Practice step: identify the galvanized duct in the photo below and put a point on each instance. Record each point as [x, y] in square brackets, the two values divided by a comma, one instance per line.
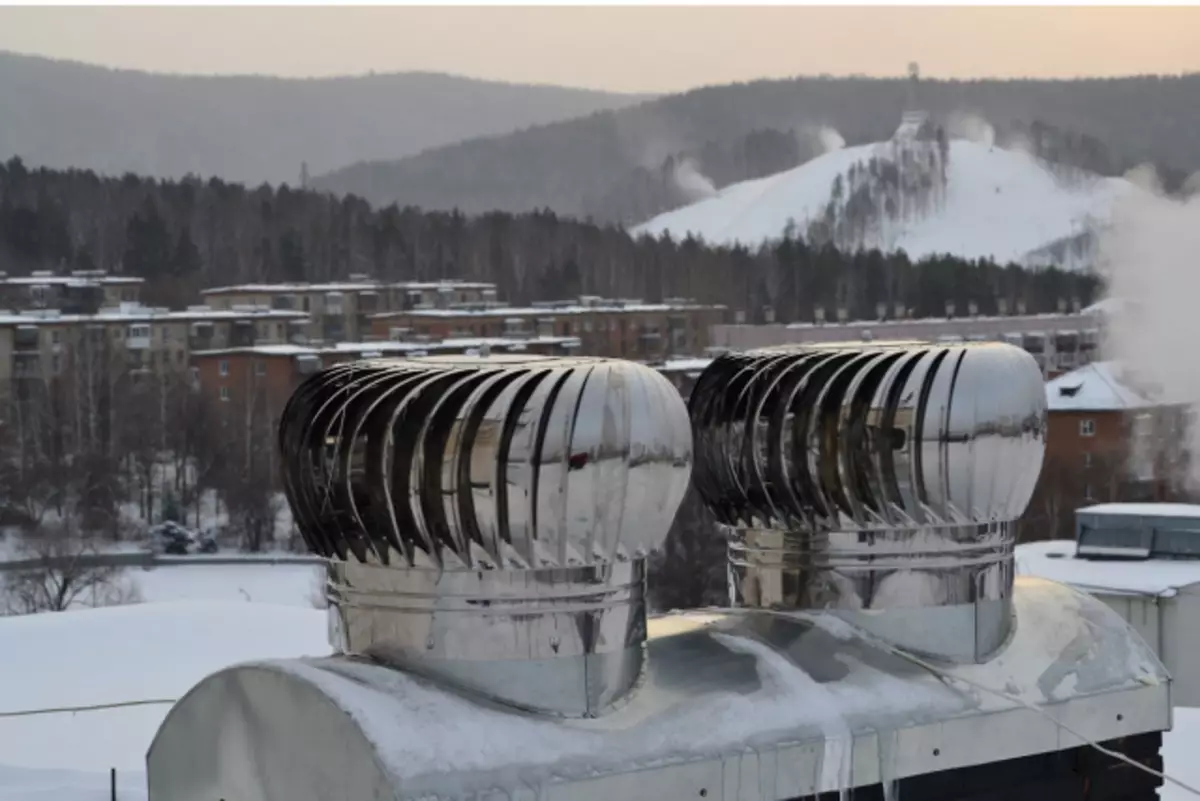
[879, 480]
[487, 519]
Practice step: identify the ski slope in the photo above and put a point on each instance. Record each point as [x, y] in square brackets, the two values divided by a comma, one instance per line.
[999, 203]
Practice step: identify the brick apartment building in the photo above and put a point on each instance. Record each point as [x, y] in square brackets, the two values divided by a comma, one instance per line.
[628, 329]
[341, 311]
[265, 376]
[1107, 440]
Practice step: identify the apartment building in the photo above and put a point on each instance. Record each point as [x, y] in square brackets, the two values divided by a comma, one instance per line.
[340, 311]
[44, 344]
[268, 374]
[1059, 342]
[77, 292]
[629, 329]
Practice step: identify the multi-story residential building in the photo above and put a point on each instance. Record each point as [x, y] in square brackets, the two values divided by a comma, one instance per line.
[44, 344]
[629, 329]
[78, 292]
[1059, 342]
[340, 311]
[268, 374]
[1108, 438]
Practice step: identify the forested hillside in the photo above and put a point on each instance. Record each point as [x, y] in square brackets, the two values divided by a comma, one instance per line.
[185, 235]
[621, 165]
[255, 128]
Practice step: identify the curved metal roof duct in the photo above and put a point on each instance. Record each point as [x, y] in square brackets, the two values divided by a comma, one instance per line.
[487, 519]
[880, 481]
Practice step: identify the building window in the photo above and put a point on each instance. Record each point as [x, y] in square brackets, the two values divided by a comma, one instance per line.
[223, 368]
[55, 337]
[1087, 428]
[260, 368]
[1087, 459]
[224, 393]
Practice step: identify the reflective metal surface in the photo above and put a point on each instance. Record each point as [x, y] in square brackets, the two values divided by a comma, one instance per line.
[487, 519]
[749, 706]
[878, 480]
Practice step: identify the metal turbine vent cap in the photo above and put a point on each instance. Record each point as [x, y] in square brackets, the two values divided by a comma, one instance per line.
[487, 519]
[880, 480]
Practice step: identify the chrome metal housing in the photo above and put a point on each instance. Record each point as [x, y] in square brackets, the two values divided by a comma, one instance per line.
[881, 481]
[487, 519]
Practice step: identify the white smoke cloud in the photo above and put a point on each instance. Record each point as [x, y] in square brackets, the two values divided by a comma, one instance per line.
[829, 139]
[691, 182]
[1151, 255]
[972, 127]
[821, 139]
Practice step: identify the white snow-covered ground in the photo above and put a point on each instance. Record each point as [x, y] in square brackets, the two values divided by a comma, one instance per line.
[151, 651]
[1000, 203]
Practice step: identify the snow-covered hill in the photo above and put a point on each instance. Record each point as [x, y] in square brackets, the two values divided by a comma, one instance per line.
[986, 202]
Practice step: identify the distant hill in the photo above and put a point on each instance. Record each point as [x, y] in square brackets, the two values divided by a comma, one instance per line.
[987, 203]
[253, 129]
[617, 165]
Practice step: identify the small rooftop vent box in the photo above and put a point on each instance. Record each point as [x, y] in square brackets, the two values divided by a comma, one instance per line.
[1138, 531]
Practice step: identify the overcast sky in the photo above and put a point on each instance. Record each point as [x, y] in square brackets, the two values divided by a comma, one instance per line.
[623, 49]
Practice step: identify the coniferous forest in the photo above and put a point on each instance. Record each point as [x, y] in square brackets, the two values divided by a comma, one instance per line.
[182, 236]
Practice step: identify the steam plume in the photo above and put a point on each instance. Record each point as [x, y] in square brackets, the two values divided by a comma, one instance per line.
[691, 182]
[1151, 254]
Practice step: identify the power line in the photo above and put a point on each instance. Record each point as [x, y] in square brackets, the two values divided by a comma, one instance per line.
[23, 713]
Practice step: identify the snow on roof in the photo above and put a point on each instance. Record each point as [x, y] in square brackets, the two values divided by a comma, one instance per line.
[389, 346]
[1056, 560]
[344, 286]
[1094, 387]
[1000, 203]
[134, 313]
[71, 280]
[1144, 509]
[548, 311]
[684, 365]
[142, 651]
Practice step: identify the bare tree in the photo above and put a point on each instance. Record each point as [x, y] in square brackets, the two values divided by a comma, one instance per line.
[66, 574]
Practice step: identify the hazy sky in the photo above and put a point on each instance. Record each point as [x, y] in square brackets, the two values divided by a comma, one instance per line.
[625, 49]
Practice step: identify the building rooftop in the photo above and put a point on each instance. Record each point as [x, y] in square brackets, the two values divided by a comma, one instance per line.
[1095, 387]
[1188, 510]
[612, 306]
[344, 286]
[76, 278]
[131, 312]
[1081, 319]
[399, 348]
[1056, 560]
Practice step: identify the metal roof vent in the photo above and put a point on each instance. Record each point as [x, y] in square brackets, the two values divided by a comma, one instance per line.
[487, 519]
[879, 481]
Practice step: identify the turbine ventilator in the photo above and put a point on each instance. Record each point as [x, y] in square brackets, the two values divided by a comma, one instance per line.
[485, 523]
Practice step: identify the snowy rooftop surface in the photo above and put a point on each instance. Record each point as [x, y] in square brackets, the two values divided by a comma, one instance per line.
[1000, 204]
[773, 697]
[1056, 560]
[684, 365]
[344, 286]
[1146, 509]
[549, 311]
[161, 648]
[387, 346]
[1095, 387]
[126, 653]
[135, 313]
[71, 280]
[1083, 319]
